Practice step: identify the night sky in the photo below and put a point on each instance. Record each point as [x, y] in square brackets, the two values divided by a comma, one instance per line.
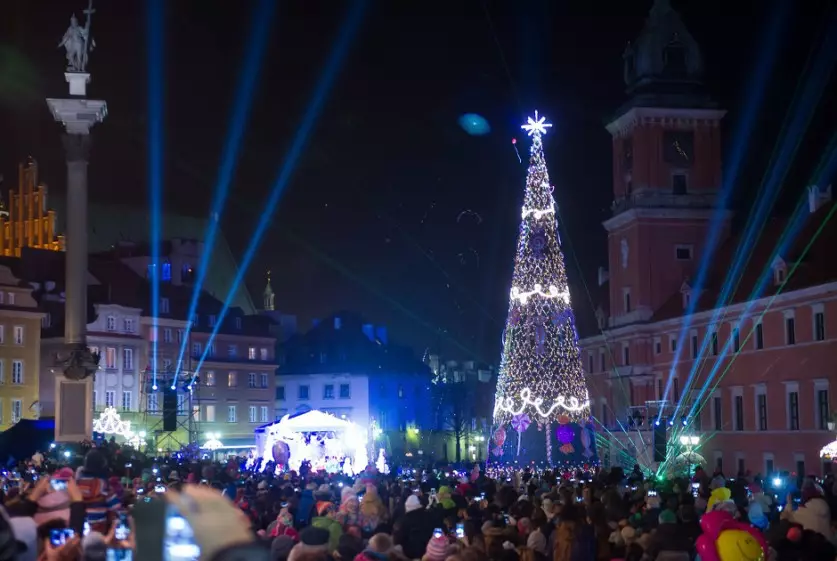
[393, 210]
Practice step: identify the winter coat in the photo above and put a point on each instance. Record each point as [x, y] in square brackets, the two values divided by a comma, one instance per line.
[333, 527]
[668, 537]
[305, 508]
[813, 515]
[413, 531]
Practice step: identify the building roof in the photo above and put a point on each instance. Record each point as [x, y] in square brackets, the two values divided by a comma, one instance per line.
[346, 343]
[818, 266]
[111, 281]
[109, 224]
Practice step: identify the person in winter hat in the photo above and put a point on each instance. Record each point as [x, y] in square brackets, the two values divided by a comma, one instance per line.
[348, 548]
[325, 521]
[281, 548]
[312, 541]
[813, 514]
[437, 549]
[283, 526]
[668, 536]
[378, 549]
[98, 498]
[349, 511]
[756, 516]
[414, 529]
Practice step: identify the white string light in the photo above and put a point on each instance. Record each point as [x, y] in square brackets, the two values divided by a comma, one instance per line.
[537, 213]
[109, 422]
[571, 404]
[523, 296]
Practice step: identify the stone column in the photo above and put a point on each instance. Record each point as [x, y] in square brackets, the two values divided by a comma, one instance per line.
[74, 385]
[77, 148]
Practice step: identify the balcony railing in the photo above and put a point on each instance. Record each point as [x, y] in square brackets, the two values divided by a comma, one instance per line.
[658, 199]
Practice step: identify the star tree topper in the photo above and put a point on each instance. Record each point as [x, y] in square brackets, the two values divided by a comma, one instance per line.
[536, 126]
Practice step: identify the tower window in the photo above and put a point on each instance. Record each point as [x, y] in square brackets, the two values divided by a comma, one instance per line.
[166, 271]
[674, 57]
[678, 184]
[187, 274]
[627, 299]
[683, 252]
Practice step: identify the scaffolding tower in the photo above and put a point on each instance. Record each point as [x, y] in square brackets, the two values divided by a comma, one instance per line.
[187, 432]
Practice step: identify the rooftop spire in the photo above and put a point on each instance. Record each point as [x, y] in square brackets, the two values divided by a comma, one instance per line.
[268, 295]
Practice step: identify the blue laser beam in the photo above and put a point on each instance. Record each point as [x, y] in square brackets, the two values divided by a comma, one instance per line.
[154, 31]
[341, 47]
[823, 173]
[754, 97]
[803, 108]
[795, 224]
[256, 47]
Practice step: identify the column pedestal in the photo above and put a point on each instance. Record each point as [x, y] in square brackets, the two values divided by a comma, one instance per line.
[73, 409]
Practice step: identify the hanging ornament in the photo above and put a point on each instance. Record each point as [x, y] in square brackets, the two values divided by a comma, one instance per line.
[514, 316]
[537, 323]
[497, 451]
[586, 441]
[548, 444]
[500, 436]
[520, 423]
[567, 449]
[563, 419]
[565, 434]
[537, 241]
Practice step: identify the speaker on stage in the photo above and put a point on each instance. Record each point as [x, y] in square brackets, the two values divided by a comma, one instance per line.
[660, 440]
[169, 410]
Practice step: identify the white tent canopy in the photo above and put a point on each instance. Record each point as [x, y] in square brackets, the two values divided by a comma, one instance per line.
[313, 421]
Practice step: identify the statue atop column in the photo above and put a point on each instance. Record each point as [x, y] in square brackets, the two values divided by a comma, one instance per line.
[77, 41]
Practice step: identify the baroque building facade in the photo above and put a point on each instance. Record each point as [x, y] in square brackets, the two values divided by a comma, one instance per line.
[751, 378]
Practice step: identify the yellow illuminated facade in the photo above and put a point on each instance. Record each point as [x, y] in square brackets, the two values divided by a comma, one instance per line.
[25, 221]
[20, 341]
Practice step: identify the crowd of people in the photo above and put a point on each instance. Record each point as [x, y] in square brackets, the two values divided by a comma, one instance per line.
[104, 509]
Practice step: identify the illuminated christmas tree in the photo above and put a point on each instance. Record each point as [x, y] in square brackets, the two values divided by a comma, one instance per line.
[541, 381]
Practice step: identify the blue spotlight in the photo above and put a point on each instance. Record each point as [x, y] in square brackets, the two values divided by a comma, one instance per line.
[256, 47]
[339, 51]
[741, 136]
[154, 387]
[657, 422]
[802, 109]
[173, 387]
[155, 34]
[789, 235]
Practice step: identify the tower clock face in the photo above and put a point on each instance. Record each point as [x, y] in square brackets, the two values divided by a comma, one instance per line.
[678, 148]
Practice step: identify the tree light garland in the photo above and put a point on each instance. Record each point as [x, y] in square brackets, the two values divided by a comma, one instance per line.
[571, 404]
[537, 213]
[523, 297]
[541, 371]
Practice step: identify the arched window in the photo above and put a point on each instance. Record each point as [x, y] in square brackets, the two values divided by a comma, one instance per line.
[167, 271]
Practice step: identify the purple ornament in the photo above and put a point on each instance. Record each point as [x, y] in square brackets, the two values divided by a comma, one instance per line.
[565, 434]
[497, 451]
[520, 422]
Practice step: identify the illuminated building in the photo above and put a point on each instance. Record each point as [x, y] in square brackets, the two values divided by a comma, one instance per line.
[766, 404]
[26, 221]
[349, 368]
[20, 340]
